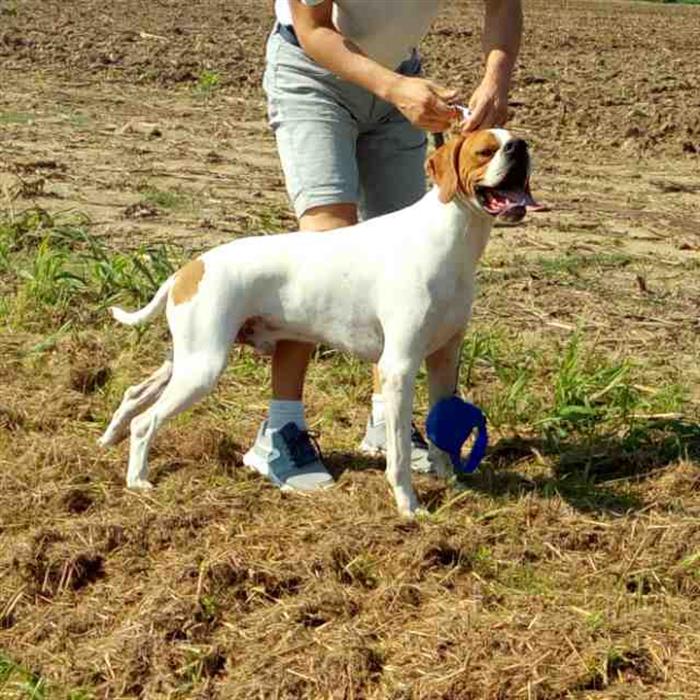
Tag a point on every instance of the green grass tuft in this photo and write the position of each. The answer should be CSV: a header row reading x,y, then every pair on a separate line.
x,y
8,118
18,682
55,270
207,84
165,199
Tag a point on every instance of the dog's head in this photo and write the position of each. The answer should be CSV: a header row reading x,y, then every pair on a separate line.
x,y
487,169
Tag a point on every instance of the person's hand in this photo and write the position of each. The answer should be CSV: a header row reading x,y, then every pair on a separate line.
x,y
488,105
425,104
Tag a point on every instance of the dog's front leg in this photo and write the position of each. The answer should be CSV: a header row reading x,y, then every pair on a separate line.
x,y
443,370
398,376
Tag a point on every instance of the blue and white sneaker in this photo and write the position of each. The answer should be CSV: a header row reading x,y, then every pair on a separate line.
x,y
288,458
374,444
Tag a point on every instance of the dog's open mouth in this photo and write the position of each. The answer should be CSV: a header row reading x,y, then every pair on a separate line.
x,y
509,204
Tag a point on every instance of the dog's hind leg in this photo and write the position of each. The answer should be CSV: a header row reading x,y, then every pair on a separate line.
x,y
194,375
136,400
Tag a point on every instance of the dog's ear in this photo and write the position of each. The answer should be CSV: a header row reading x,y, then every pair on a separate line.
x,y
443,168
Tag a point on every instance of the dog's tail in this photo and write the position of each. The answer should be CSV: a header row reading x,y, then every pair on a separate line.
x,y
153,306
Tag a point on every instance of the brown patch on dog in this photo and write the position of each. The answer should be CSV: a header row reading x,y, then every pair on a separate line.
x,y
476,153
460,163
442,168
187,281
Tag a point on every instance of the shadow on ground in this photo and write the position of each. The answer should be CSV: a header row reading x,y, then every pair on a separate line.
x,y
583,468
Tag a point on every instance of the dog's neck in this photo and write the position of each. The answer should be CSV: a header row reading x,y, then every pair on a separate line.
x,y
461,222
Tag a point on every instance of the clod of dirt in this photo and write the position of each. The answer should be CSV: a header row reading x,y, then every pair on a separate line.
x,y
35,165
670,186
212,664
141,210
52,570
10,419
7,620
326,608
144,128
114,537
641,584
214,157
352,567
89,379
442,555
89,369
28,189
620,667
77,501
225,574
229,453
357,668
250,584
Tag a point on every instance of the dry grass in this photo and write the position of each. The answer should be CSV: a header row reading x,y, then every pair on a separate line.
x,y
568,567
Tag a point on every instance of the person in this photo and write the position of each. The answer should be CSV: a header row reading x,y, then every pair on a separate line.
x,y
350,109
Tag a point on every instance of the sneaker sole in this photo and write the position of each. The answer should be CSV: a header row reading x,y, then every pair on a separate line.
x,y
256,463
252,461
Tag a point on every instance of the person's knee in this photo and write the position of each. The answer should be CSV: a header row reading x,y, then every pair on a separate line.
x,y
328,216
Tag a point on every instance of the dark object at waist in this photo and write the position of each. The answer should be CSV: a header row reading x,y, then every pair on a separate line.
x,y
286,31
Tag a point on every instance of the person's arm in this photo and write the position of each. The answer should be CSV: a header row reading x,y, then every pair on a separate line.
x,y
423,103
503,26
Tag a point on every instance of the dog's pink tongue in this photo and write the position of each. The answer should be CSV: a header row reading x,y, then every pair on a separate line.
x,y
523,198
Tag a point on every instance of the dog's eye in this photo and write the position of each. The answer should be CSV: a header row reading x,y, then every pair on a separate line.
x,y
485,152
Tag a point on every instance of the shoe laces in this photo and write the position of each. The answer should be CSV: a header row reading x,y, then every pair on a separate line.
x,y
302,445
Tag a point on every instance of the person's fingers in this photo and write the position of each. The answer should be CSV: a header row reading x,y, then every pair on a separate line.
x,y
441,113
448,95
479,113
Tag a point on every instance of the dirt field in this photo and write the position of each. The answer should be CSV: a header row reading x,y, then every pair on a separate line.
x,y
133,134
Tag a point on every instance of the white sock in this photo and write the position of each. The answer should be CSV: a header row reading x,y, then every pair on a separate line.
x,y
377,408
282,412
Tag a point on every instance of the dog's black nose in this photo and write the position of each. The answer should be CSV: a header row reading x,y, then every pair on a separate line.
x,y
515,148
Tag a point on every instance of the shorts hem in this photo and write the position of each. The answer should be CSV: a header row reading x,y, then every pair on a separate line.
x,y
304,201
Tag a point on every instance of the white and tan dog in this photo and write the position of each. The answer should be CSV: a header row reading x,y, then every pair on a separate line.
x,y
394,290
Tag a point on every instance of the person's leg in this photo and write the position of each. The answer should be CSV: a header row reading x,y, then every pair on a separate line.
x,y
316,137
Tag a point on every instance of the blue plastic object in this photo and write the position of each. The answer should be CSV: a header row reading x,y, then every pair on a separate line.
x,y
449,425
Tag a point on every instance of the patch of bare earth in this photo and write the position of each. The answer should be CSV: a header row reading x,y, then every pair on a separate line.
x,y
531,582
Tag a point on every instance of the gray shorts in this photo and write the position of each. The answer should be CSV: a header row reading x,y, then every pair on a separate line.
x,y
337,142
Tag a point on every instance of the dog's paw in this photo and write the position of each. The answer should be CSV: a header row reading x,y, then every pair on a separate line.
x,y
406,502
112,437
106,440
418,513
140,485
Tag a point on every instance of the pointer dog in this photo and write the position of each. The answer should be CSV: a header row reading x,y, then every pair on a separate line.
x,y
394,290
